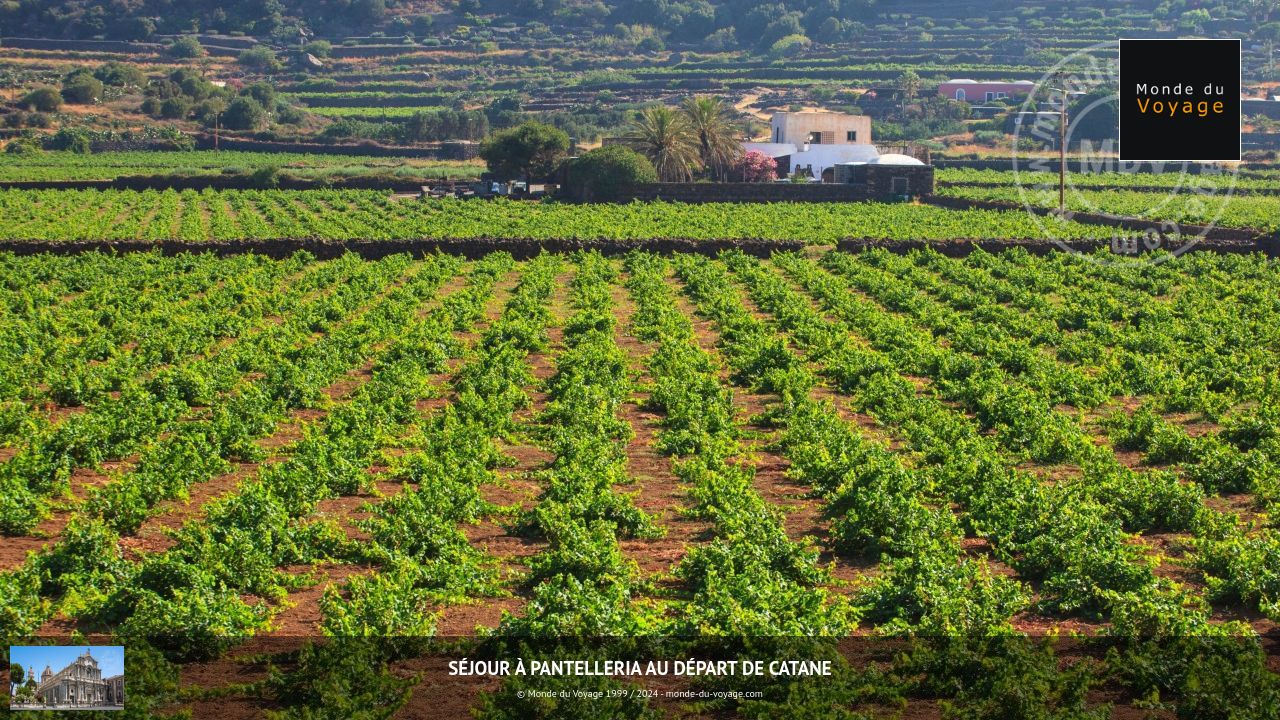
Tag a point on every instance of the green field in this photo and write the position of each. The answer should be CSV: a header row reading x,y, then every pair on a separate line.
x,y
60,215
49,166
812,445
1213,205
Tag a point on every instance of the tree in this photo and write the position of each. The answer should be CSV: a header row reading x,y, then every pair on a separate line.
x,y
664,136
136,28
368,11
1271,34
529,150
82,90
244,113
16,674
756,167
175,108
787,25
605,173
25,694
188,82
263,92
715,133
1194,19
1094,116
907,84
43,99
186,47
209,111
723,39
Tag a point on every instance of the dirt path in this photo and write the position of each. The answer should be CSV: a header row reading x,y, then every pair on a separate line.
x,y
744,106
659,491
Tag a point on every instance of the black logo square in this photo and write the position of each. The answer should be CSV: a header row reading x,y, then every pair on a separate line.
x,y
1180,100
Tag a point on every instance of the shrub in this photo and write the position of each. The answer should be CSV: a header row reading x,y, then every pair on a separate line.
x,y
722,39
604,173
120,74
244,113
788,45
23,146
290,115
82,90
651,44
259,58
72,140
265,177
756,167
43,99
319,48
208,111
22,118
186,47
175,108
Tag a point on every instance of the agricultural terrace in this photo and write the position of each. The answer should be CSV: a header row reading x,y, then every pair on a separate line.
x,y
205,453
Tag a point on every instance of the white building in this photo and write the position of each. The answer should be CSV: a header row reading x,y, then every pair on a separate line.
x,y
80,683
816,141
890,174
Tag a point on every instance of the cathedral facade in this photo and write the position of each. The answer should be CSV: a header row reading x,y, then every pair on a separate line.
x,y
80,683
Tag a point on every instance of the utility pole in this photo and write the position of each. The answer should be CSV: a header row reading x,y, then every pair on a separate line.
x,y
1062,157
1062,143
217,116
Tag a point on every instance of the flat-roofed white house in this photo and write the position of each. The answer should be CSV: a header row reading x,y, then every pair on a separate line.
x,y
816,141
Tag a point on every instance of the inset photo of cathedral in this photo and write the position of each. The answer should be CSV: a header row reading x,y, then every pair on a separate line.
x,y
63,677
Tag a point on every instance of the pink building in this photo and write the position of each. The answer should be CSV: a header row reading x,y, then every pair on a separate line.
x,y
974,91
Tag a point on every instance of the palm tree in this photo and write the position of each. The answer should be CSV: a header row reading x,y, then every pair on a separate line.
x,y
714,132
664,136
908,86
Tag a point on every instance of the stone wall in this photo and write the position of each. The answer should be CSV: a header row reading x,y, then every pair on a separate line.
x,y
1260,141
520,248
1139,225
1268,108
1074,165
878,181
452,150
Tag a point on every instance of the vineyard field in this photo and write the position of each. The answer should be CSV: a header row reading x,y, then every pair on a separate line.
x,y
1210,204
202,455
1172,177
67,166
204,216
